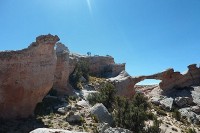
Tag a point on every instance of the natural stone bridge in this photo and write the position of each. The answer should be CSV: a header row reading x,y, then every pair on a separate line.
x,y
170,79
125,84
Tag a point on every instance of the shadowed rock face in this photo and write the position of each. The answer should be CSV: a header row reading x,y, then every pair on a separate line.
x,y
26,76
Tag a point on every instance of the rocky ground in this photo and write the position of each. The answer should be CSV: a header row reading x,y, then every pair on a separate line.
x,y
186,101
74,113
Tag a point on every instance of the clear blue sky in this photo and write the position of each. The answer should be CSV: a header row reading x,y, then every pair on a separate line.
x,y
149,35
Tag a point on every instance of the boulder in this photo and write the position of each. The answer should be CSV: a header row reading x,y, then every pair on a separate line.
x,y
47,130
117,130
105,128
124,84
62,110
101,112
26,77
75,118
189,115
167,103
155,100
183,101
196,109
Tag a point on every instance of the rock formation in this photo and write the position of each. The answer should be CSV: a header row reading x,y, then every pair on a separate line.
x,y
170,79
26,76
124,84
63,69
101,66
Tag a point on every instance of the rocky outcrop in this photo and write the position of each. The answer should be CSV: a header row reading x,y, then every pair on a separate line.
x,y
124,84
101,66
26,76
102,114
62,69
169,78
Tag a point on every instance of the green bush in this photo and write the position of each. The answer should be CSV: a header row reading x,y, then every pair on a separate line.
x,y
155,128
106,96
129,114
176,114
161,112
190,130
81,70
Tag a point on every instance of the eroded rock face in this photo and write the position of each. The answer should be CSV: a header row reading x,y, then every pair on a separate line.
x,y
124,84
62,69
171,79
26,76
103,66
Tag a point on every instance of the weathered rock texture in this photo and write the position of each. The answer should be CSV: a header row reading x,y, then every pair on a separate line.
x,y
62,69
170,79
26,76
102,66
125,84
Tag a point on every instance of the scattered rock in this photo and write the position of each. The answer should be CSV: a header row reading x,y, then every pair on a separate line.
x,y
183,101
62,110
102,127
167,103
47,130
83,103
75,118
196,109
155,100
117,130
189,115
101,112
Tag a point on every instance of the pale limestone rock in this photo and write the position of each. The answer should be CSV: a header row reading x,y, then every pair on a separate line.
x,y
26,77
101,112
47,130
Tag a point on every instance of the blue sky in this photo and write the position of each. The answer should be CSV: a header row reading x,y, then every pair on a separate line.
x,y
148,35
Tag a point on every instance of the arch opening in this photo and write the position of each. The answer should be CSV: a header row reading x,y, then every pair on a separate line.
x,y
147,84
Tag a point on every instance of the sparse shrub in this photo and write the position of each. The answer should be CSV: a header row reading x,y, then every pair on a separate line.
x,y
95,118
106,96
176,114
190,130
131,113
151,116
161,112
155,128
81,70
73,98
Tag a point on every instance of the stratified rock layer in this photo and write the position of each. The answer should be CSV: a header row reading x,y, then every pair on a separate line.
x,y
26,76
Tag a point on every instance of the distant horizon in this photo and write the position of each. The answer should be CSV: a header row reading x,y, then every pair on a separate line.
x,y
149,36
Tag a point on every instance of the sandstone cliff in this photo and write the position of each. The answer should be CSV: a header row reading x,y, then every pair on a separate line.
x,y
26,76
